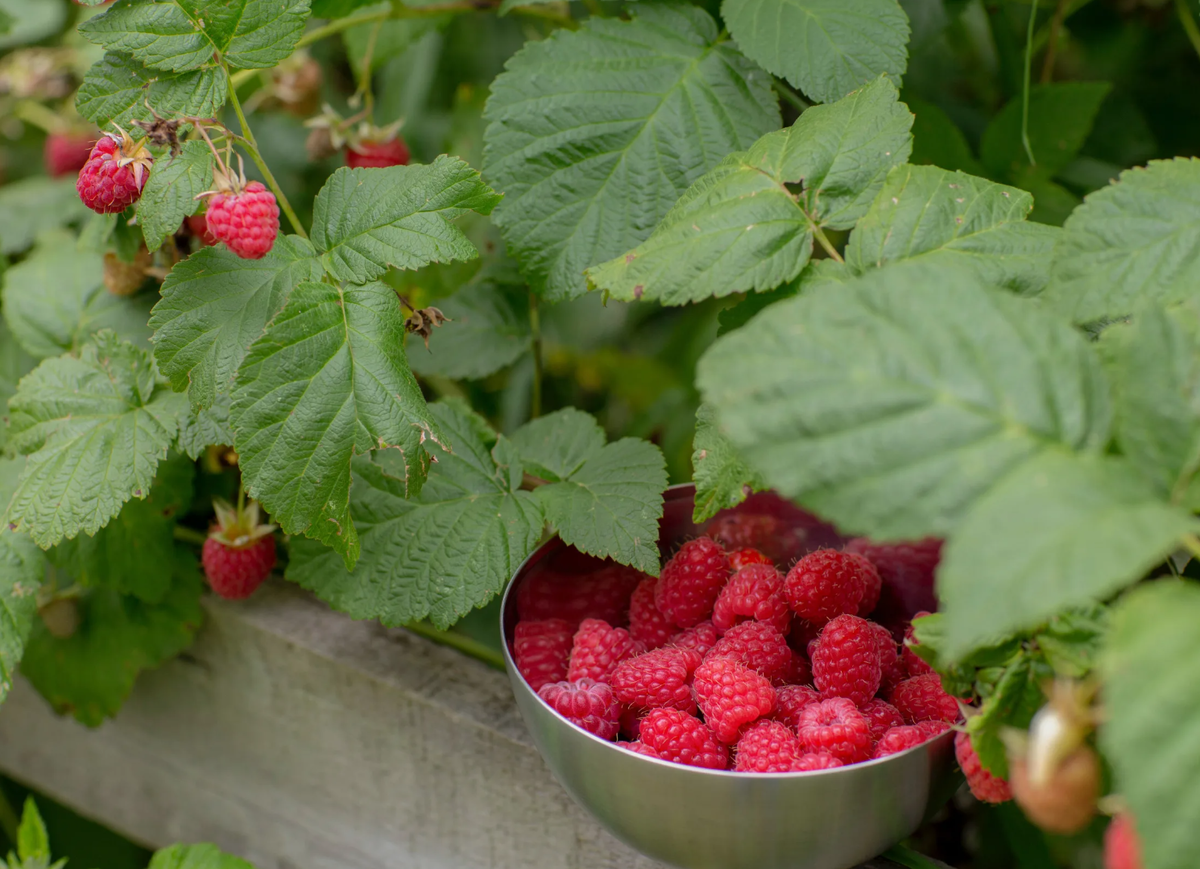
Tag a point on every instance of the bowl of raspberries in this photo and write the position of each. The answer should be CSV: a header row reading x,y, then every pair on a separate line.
x,y
755,705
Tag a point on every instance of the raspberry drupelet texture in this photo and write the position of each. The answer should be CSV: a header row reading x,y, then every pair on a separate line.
x,y
541,649
114,174
846,660
745,531
890,664
882,716
799,672
235,573
646,624
985,786
598,648
932,728
638,747
835,727
731,696
758,646
907,571
1122,847
745,557
700,638
599,593
368,154
767,746
898,739
921,698
828,583
660,678
586,703
682,738
246,220
790,700
753,593
690,582
814,761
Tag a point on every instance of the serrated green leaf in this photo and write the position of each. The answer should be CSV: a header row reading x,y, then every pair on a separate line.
x,y
889,404
22,569
206,427
1061,115
15,363
170,192
488,330
1062,531
33,842
437,556
215,305
117,88
937,140
594,134
742,227
203,856
32,206
327,381
1133,242
90,674
1013,702
95,427
927,213
1152,732
1071,640
604,500
723,479
54,300
827,48
365,220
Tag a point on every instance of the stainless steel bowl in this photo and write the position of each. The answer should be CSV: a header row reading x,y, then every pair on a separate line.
x,y
704,819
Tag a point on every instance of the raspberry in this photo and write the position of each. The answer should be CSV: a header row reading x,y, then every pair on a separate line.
x,y
745,531
701,638
985,786
638,747
890,665
754,592
897,739
767,746
658,678
239,552
66,153
115,172
598,648
835,727
882,717
758,646
872,589
122,278
245,217
540,649
681,738
197,225
828,583
932,729
1122,847
602,593
914,664
631,721
731,696
921,698
746,557
790,700
585,703
907,571
646,624
368,154
846,660
815,761
1066,802
691,581
799,672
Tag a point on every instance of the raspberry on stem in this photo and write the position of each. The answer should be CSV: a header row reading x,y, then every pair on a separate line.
x,y
1122,847
239,552
984,786
245,216
114,174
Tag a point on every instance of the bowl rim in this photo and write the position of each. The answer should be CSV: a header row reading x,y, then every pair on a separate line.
x,y
671,493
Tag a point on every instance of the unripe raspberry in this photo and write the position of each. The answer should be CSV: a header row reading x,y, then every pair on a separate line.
x,y
115,172
61,617
1066,802
122,278
245,218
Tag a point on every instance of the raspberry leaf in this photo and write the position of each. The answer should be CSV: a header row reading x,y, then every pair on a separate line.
x,y
171,190
117,89
203,856
603,499
215,305
365,220
1011,702
205,427
827,48
95,427
488,330
22,568
594,134
1062,531
723,479
749,223
15,363
439,555
327,381
32,206
889,404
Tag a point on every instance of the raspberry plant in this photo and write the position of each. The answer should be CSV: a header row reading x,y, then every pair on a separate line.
x,y
915,342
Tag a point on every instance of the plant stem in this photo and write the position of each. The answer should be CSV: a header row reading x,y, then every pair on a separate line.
x,y
594,8
397,11
252,147
189,535
461,642
364,89
9,822
33,112
797,102
535,327
1033,7
1189,23
823,240
1060,12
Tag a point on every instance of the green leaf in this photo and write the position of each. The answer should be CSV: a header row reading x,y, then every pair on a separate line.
x,y
723,479
1061,115
1152,733
32,206
90,674
327,381
593,134
33,842
178,35
930,214
742,227
1062,531
388,39
22,568
54,300
215,305
827,48
744,311
206,427
95,427
15,363
203,856
171,190
604,500
33,21
117,88
338,8
937,140
437,556
1071,640
365,220
488,330
132,554
1013,702
887,405
1135,241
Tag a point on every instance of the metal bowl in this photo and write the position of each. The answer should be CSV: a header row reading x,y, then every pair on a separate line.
x,y
704,819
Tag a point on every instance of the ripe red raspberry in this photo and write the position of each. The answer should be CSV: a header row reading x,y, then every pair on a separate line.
x,y
541,649
1122,847
598,648
790,700
921,698
368,154
239,552
745,531
701,638
898,739
197,225
890,665
758,646
631,721
882,716
586,703
646,624
601,593
691,581
745,557
815,761
907,570
872,589
767,746
846,660
914,664
682,738
638,747
835,727
828,583
245,218
985,786
66,153
932,729
799,672
115,172
753,593
657,678
731,696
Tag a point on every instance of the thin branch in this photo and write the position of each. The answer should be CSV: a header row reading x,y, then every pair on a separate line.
x,y
797,102
826,244
1056,23
1033,7
461,642
1189,23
